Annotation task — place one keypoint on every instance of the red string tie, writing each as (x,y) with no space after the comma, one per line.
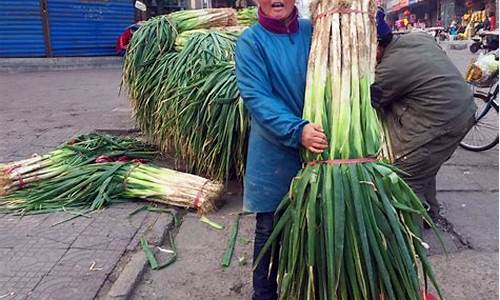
(343,161)
(199,194)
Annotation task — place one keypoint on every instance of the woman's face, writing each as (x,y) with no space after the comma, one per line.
(277,9)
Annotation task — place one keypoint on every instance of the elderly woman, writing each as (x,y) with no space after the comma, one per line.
(271,66)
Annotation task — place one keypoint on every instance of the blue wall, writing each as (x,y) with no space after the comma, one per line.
(21,31)
(77,27)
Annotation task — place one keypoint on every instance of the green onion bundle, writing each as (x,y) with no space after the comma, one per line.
(202,49)
(247,16)
(94,186)
(213,127)
(183,37)
(178,100)
(197,99)
(81,150)
(350,226)
(203,18)
(154,39)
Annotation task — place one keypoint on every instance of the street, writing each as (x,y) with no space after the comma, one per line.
(92,256)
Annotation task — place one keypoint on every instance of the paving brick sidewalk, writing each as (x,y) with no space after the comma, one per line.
(39,258)
(43,257)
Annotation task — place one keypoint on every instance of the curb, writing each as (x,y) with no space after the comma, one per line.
(135,268)
(12,65)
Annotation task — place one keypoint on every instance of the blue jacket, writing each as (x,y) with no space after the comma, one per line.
(271,75)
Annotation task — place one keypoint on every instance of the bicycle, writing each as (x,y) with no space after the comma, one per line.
(484,133)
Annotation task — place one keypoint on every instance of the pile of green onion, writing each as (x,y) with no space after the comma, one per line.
(81,150)
(203,18)
(94,186)
(185,99)
(92,171)
(350,226)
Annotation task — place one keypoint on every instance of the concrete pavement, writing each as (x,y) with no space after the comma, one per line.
(468,191)
(467,188)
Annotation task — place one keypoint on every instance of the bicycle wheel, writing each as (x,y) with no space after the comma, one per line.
(484,133)
(474,47)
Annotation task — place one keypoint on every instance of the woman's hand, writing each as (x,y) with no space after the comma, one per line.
(313,138)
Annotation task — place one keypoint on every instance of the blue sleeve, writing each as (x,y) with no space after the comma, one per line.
(265,108)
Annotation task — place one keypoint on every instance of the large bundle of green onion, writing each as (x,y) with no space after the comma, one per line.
(200,116)
(154,39)
(147,62)
(247,16)
(350,226)
(203,18)
(183,37)
(81,150)
(177,97)
(202,49)
(148,90)
(213,126)
(94,186)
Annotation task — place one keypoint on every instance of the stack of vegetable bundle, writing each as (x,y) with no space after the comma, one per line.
(194,97)
(182,38)
(94,186)
(81,150)
(350,226)
(187,102)
(203,18)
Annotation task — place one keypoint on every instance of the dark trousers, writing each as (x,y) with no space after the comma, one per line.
(423,164)
(264,280)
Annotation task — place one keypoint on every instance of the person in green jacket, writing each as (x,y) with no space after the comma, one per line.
(426,104)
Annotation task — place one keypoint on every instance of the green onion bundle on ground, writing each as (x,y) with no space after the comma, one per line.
(81,150)
(94,186)
(247,16)
(203,18)
(350,226)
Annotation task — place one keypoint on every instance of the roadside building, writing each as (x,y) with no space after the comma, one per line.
(443,12)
